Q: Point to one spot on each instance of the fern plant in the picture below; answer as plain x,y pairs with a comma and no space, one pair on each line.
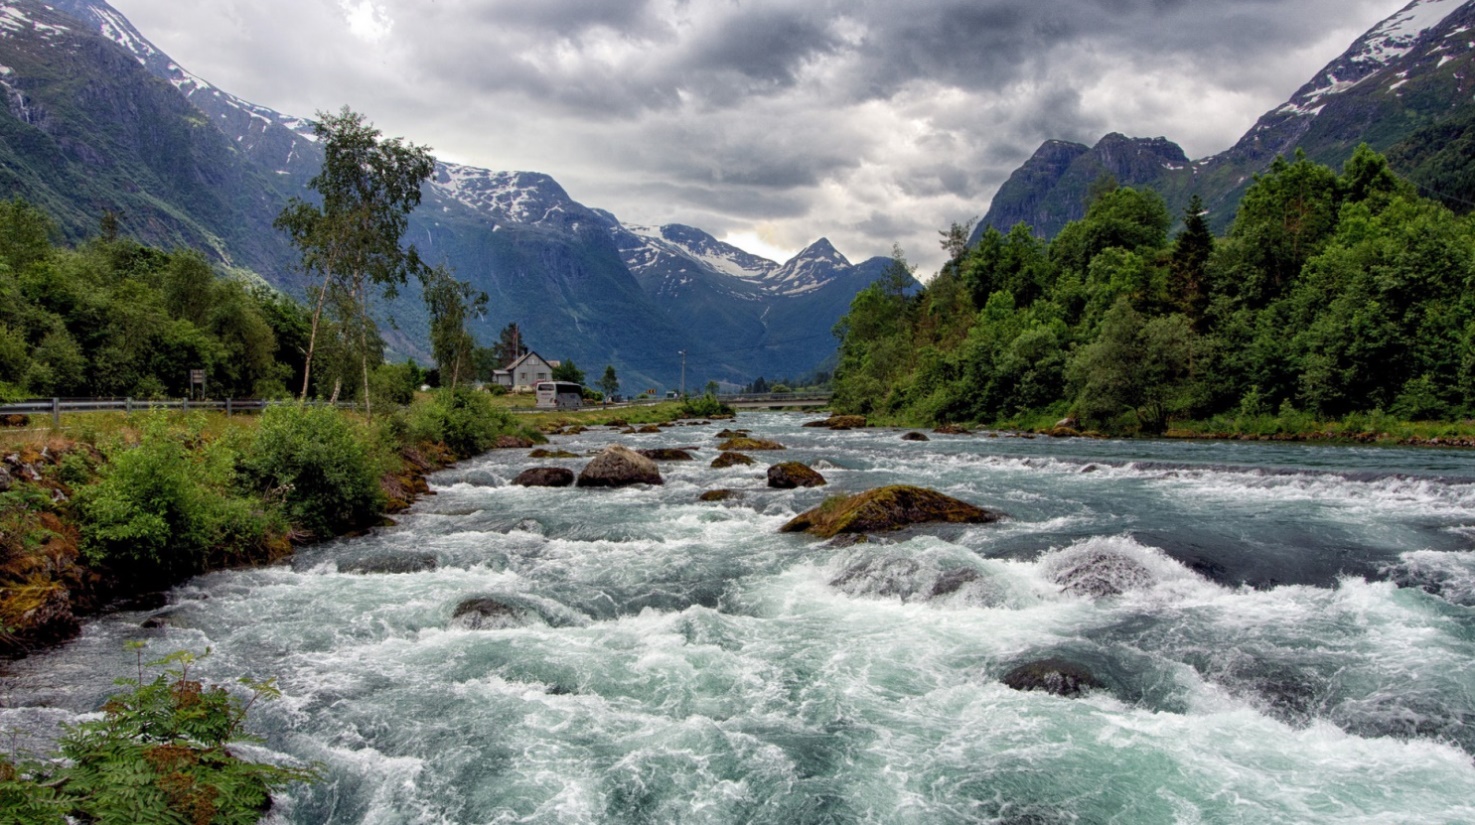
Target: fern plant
160,755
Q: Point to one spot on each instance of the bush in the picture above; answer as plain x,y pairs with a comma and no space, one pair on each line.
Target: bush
705,407
463,419
163,509
312,462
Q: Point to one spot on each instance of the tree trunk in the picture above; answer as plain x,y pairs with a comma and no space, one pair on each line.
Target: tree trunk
364,349
312,341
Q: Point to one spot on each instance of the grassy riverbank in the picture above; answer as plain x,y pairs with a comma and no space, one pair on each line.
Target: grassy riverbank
111,508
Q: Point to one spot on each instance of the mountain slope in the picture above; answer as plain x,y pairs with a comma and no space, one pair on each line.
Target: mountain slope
103,119
1412,71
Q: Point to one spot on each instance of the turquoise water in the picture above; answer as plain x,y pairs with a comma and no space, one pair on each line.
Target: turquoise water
1295,643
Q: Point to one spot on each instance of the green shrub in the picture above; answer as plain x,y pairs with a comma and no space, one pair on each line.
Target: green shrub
163,509
463,419
312,461
704,407
160,754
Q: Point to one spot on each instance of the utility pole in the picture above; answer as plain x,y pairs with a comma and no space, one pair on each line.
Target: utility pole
683,373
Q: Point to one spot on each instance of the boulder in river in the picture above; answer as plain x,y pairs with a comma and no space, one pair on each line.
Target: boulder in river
840,422
619,466
915,436
1099,574
545,477
649,429
792,474
726,460
952,429
1057,676
886,508
732,434
720,495
512,442
743,444
391,563
667,455
542,453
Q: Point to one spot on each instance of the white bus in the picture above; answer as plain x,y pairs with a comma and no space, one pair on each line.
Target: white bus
559,395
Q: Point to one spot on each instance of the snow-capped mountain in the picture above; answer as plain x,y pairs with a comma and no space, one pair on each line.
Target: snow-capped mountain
581,285
1415,68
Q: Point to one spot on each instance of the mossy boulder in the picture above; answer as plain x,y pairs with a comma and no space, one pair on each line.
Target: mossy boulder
733,434
619,466
745,444
726,460
542,453
667,455
886,508
545,477
791,475
649,429
512,442
1056,676
720,495
841,422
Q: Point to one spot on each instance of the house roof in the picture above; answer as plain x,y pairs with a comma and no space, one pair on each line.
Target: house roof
529,354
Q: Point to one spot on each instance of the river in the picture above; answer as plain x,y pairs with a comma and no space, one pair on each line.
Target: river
1295,643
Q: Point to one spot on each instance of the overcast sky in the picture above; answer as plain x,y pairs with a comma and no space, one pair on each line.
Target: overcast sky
769,123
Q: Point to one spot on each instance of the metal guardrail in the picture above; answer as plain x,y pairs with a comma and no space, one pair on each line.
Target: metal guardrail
54,407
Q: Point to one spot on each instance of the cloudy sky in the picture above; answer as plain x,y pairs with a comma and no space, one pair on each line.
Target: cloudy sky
769,123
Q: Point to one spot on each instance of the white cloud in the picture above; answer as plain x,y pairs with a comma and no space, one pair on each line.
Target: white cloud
367,21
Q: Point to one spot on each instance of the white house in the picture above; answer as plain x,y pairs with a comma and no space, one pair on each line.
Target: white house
521,375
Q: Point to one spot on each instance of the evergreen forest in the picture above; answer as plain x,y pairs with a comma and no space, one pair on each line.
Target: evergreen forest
1332,295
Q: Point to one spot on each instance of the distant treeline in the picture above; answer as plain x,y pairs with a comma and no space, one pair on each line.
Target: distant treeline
1331,294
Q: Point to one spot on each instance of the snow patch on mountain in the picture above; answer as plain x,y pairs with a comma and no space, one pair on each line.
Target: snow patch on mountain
13,21
1386,43
529,198
811,269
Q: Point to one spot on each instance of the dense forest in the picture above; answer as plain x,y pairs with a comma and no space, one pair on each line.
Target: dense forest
1331,295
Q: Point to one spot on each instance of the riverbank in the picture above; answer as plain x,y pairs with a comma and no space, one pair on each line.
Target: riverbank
111,510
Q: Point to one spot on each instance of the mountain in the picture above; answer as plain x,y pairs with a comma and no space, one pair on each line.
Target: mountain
747,315
101,119
1407,77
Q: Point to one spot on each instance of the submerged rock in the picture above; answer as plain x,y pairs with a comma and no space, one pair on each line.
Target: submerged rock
954,580
667,455
1056,676
391,564
1102,574
483,613
791,475
541,453
915,437
952,429
545,477
619,466
743,443
726,460
886,508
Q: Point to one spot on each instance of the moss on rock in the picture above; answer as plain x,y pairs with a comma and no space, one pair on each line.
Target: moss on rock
886,508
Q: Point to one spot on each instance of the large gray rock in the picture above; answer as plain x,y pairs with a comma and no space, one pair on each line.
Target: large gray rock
1102,574
619,466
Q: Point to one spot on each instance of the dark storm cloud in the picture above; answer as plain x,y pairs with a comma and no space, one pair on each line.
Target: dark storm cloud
857,119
